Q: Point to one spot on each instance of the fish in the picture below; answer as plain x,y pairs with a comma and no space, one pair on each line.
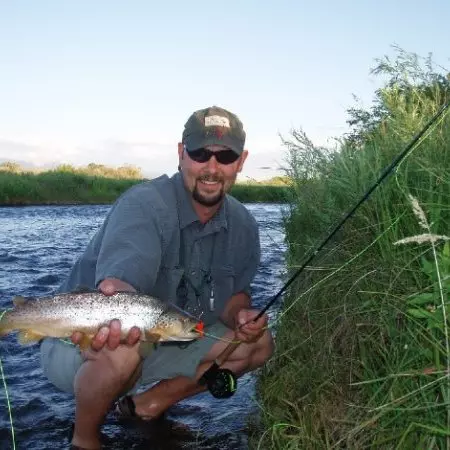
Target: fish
60,315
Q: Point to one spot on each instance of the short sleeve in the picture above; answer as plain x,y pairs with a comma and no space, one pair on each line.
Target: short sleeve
131,246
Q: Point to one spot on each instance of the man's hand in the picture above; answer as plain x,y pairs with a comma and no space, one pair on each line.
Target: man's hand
247,330
110,335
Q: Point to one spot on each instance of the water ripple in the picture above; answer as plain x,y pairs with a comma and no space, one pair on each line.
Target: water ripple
39,245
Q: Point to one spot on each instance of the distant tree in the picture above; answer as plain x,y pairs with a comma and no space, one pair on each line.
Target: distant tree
278,181
10,166
100,170
129,171
408,77
65,168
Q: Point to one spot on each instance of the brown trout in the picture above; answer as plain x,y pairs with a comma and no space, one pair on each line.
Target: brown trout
59,316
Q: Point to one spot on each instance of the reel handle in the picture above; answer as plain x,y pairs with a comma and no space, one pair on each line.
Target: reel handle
221,383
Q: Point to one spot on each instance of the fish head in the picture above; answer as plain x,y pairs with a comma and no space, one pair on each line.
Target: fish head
175,326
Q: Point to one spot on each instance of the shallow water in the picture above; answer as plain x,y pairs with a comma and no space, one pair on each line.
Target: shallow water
38,246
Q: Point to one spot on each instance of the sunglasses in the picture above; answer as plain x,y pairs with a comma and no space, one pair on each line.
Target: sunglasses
202,155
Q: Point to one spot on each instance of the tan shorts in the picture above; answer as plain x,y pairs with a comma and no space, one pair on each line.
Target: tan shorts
61,360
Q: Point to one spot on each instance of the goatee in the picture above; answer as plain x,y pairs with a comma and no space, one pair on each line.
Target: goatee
207,201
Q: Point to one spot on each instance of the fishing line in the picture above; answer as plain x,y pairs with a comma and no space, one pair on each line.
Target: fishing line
337,270
387,171
8,403
214,376
218,338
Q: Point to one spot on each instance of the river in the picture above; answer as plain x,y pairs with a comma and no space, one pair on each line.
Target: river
38,245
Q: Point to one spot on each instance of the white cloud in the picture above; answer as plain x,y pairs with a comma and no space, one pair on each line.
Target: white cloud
152,157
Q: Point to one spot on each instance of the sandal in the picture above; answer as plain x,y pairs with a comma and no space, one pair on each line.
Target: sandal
125,408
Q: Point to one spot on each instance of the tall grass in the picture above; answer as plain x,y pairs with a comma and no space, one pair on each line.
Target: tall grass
63,186
362,346
59,187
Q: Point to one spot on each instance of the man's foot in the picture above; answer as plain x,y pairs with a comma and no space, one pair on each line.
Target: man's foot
78,447
125,408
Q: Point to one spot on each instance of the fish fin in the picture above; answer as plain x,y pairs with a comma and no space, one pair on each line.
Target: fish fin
152,337
27,336
146,348
4,330
85,342
18,300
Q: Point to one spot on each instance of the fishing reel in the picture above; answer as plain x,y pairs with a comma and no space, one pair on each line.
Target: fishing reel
221,383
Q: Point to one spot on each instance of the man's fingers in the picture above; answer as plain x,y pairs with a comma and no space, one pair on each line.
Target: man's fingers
133,336
107,287
248,338
247,317
76,337
254,327
109,336
260,323
114,334
100,339
247,334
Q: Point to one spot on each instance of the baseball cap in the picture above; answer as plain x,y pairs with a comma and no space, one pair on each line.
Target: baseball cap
214,126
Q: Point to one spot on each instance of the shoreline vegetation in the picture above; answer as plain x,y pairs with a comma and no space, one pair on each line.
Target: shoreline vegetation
98,184
362,355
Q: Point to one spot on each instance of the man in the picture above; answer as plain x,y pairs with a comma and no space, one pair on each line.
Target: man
183,240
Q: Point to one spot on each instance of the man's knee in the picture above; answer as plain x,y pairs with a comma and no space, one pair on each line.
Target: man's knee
111,372
255,355
60,362
263,350
119,365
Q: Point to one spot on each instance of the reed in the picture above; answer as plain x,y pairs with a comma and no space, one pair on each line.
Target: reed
65,185
362,342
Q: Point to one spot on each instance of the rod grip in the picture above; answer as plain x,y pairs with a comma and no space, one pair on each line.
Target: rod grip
226,353
221,359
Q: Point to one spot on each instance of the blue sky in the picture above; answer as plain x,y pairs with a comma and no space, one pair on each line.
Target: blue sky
114,82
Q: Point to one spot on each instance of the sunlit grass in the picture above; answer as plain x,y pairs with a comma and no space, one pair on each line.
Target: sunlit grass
362,343
65,186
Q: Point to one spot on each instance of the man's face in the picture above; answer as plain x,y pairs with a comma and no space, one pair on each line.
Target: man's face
209,181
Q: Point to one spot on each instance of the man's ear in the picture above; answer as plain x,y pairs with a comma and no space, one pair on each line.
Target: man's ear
180,154
242,159
180,150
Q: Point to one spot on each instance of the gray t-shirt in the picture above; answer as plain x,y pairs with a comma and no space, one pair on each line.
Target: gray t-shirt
153,240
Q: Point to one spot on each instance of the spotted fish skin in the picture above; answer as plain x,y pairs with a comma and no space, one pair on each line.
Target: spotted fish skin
62,314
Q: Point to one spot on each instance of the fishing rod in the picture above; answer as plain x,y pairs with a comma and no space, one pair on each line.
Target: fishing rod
222,383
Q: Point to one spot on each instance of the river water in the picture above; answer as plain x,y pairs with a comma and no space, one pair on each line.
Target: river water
38,246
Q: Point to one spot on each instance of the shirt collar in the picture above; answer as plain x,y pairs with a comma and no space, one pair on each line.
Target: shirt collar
187,212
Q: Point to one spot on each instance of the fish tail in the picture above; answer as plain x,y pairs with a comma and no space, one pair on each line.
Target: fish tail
5,326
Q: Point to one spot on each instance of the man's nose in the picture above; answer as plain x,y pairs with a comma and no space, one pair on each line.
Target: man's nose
212,164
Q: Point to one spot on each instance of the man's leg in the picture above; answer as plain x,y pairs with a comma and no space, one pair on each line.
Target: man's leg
99,381
247,357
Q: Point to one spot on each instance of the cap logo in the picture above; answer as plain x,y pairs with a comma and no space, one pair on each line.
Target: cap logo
217,121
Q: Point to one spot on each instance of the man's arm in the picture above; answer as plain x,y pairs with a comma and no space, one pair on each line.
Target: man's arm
238,315
131,246
238,301
128,260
